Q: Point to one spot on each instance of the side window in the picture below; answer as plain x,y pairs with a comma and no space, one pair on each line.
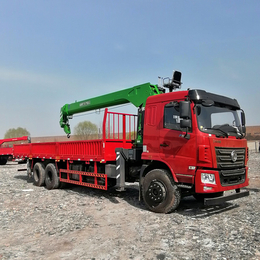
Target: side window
172,116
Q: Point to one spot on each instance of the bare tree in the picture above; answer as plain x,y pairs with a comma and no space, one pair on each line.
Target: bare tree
86,130
16,132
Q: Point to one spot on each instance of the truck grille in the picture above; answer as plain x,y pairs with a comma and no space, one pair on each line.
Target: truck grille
228,158
231,165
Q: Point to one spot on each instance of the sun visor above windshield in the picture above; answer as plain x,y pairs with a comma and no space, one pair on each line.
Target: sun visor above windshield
199,95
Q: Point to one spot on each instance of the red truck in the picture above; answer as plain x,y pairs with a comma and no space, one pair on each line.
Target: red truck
180,143
6,150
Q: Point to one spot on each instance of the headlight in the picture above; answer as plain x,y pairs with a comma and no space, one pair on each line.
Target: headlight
208,178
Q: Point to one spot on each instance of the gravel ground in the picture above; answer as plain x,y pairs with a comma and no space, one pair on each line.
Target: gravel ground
83,223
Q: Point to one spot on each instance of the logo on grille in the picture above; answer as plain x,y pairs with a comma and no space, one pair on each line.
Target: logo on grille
233,156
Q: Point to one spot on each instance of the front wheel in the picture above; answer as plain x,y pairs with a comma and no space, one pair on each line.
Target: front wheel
159,192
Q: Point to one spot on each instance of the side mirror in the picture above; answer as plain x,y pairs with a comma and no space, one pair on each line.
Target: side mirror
243,121
185,115
243,118
185,123
184,109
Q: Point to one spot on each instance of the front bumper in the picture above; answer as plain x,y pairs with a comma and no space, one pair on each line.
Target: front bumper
222,199
219,185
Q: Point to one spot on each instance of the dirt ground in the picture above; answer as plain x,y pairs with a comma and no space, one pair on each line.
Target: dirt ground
83,223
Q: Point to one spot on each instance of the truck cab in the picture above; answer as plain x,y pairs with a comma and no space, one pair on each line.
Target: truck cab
198,137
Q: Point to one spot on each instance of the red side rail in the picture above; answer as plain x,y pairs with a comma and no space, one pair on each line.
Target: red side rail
74,150
6,150
65,176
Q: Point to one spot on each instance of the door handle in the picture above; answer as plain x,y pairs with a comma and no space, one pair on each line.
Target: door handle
164,145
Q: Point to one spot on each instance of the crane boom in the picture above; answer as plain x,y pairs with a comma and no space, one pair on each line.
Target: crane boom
23,138
136,95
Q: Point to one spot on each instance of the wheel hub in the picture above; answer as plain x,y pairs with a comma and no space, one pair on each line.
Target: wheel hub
156,192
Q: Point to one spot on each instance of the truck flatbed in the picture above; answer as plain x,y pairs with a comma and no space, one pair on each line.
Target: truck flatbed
80,162
117,130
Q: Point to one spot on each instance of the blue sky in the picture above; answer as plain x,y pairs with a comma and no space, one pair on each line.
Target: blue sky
55,52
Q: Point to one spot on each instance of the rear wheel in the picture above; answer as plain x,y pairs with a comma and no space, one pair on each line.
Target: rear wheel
52,180
38,174
159,191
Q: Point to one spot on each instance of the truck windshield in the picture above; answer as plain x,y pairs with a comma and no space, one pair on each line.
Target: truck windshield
219,120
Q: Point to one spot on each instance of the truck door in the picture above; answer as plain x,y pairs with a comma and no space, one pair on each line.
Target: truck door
177,151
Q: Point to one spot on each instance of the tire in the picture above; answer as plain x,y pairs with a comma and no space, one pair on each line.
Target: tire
3,161
159,192
200,196
52,179
38,174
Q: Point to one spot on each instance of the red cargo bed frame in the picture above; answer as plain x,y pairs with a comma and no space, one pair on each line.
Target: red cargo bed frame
118,128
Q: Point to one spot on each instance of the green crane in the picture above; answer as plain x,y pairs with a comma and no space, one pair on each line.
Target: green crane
136,95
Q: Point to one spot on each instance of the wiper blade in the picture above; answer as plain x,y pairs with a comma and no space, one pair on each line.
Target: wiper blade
217,129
